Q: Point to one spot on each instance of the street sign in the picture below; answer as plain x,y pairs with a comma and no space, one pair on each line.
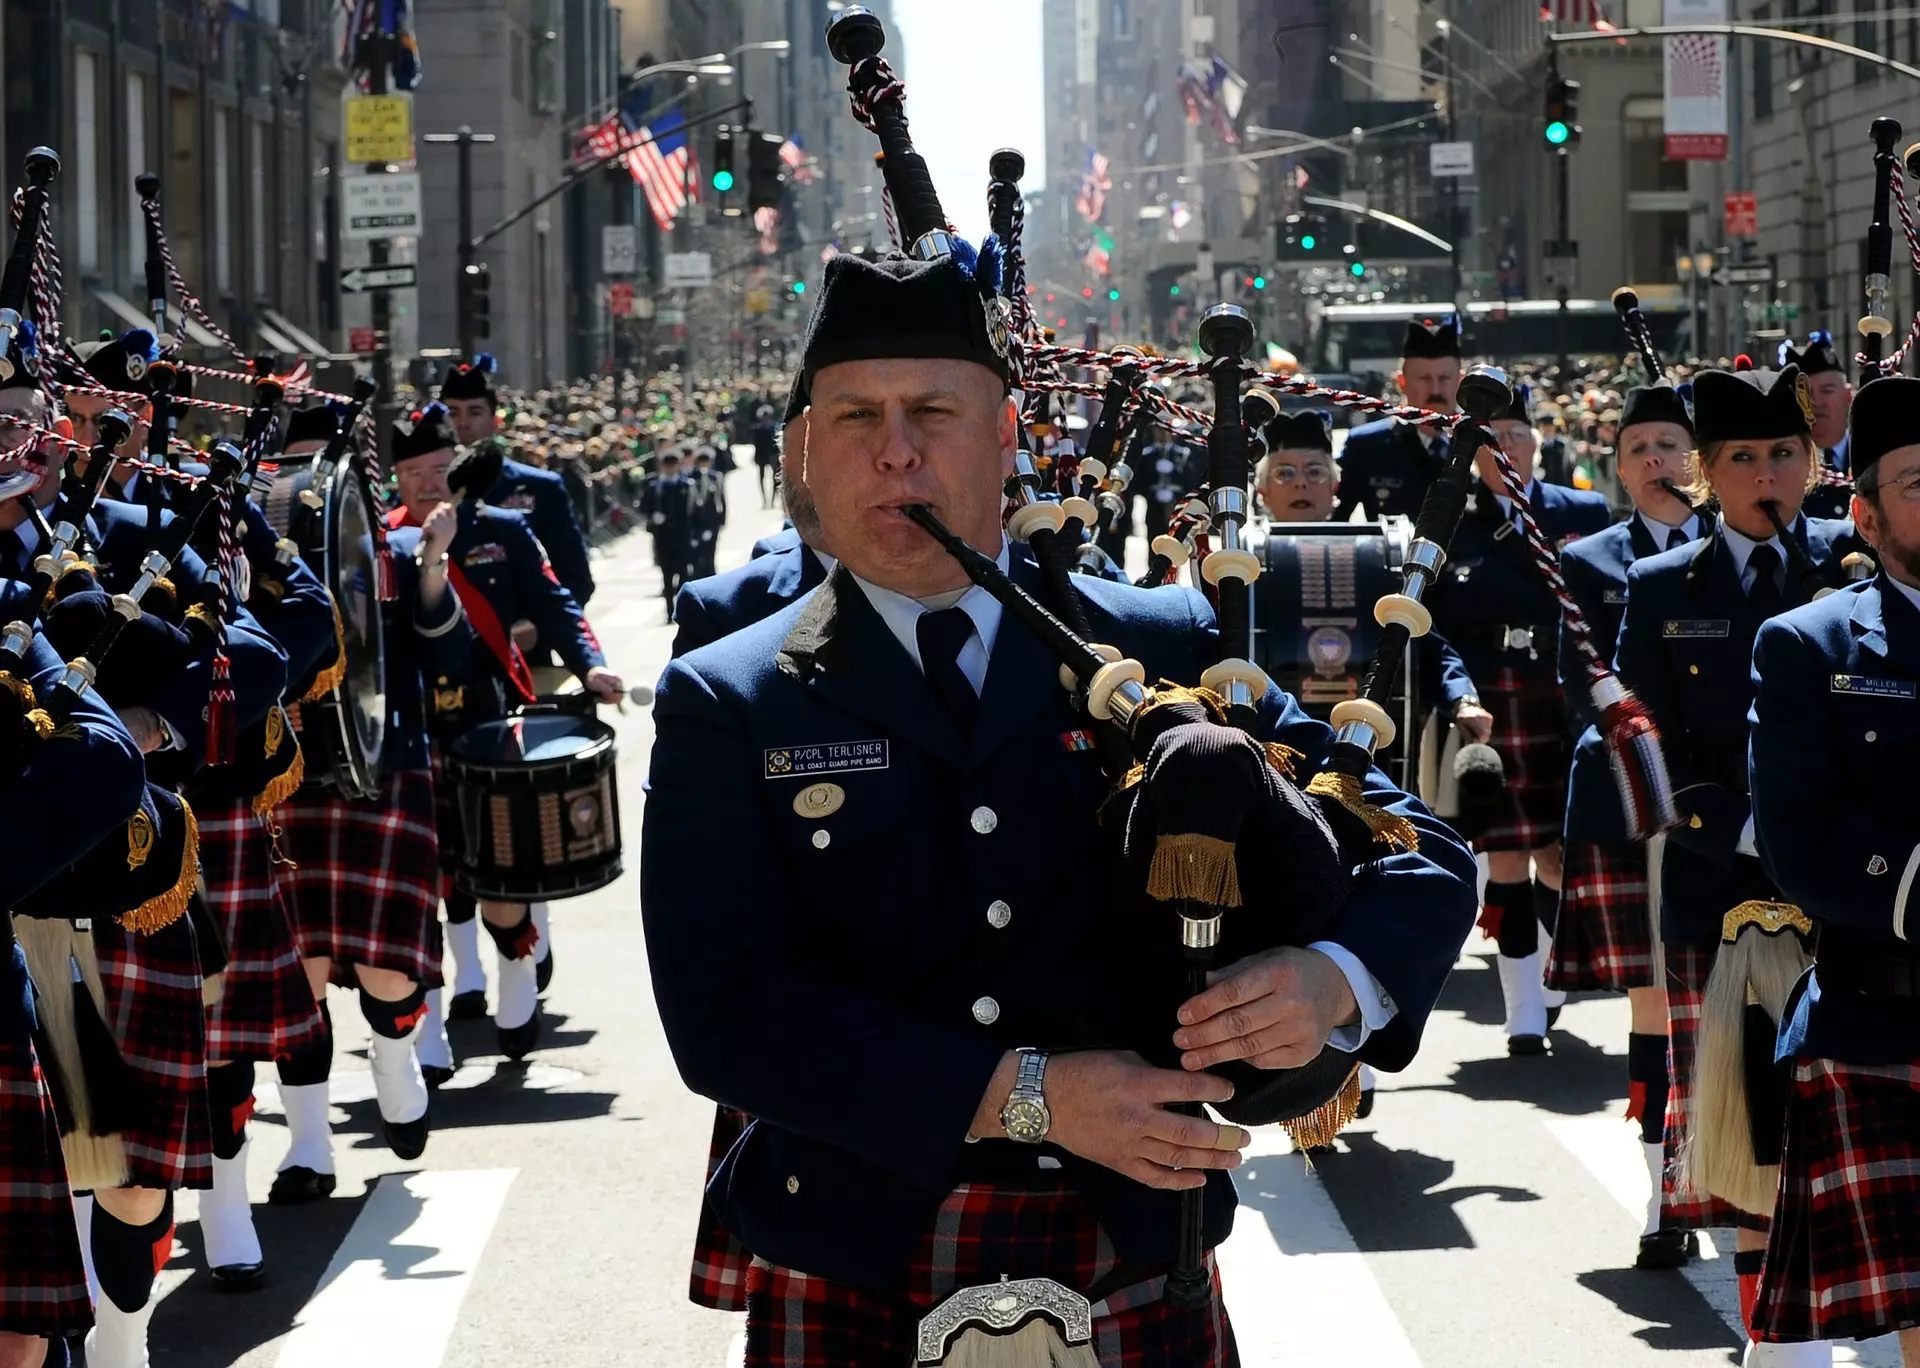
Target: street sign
1450,158
360,279
363,341
619,249
670,318
1743,214
620,299
375,207
380,128
1754,273
688,270
1562,263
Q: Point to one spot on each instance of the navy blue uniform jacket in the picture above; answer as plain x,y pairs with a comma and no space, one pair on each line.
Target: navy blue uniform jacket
707,609
1835,738
1686,648
497,553
825,984
542,496
1595,569
1385,468
420,647
786,537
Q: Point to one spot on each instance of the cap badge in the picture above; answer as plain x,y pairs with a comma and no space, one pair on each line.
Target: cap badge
1803,395
819,800
136,366
997,335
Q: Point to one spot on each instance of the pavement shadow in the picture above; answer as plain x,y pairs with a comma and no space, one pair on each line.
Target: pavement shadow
1576,1079
1676,1317
1474,997
505,1099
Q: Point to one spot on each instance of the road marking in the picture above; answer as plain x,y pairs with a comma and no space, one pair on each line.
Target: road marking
393,1290
1298,1289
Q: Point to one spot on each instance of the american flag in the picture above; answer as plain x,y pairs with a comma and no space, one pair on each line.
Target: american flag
664,165
1575,14
793,155
1094,184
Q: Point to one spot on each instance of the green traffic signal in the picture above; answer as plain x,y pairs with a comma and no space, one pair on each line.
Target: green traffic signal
723,181
1113,295
799,287
1259,282
1358,268
1173,289
1558,132
1309,242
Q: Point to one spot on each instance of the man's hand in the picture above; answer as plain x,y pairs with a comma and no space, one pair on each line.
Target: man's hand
437,530
525,635
1275,1010
1475,721
144,724
605,685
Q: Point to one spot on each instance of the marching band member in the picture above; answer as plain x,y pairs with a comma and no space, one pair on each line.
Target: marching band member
1387,465
709,513
1604,940
1295,479
1833,720
1686,649
667,508
1494,608
1832,394
919,1018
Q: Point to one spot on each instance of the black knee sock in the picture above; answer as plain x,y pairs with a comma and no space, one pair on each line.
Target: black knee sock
394,1020
518,941
1546,906
1513,919
1647,1084
460,906
230,1100
126,1258
313,1061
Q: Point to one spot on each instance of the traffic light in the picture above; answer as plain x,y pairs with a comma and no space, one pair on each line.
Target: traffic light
1357,269
475,282
723,160
1561,130
1259,282
1113,296
765,172
1302,237
799,287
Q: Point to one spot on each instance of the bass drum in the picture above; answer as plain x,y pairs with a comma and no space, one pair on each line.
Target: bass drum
343,724
1313,627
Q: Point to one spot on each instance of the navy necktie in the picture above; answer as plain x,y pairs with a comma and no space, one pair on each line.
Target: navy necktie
941,636
1677,537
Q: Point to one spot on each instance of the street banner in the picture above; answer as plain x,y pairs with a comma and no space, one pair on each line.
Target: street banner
1696,84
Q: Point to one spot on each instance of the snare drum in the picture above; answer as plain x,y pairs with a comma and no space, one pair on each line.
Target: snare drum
538,807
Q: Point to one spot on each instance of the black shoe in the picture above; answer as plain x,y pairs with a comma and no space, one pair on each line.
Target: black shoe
1365,1109
1553,1017
299,1184
1666,1249
247,1277
543,972
435,1074
517,1042
468,1006
1526,1045
407,1139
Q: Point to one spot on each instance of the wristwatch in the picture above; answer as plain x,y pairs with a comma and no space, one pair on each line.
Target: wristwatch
423,565
1025,1116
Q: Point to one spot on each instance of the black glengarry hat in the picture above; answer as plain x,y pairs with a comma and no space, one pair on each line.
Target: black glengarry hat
1307,430
121,363
1519,407
796,399
422,433
1818,357
1655,404
317,423
1885,417
470,379
1425,337
896,307
1751,405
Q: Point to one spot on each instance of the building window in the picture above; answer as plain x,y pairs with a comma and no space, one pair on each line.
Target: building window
86,157
1656,195
1866,36
136,163
257,208
222,201
517,59
1762,66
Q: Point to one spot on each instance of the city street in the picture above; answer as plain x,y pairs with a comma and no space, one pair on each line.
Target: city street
1484,1215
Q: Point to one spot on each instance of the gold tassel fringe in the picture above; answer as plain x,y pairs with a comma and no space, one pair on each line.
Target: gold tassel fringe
1317,1128
1187,865
281,788
1164,693
42,723
19,688
329,679
1345,790
1284,759
167,908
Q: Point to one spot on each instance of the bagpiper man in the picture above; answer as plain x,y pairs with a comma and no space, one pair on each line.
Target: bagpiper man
1832,394
879,1172
1386,466
1496,610
1686,650
1604,938
1834,730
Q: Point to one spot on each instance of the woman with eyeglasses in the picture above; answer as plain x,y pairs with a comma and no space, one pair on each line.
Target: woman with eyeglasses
1296,479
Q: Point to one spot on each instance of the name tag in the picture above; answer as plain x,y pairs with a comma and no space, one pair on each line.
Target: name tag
833,757
1613,596
1695,627
1874,687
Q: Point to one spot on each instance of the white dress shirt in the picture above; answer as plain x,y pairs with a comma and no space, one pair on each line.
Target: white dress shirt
1661,533
901,614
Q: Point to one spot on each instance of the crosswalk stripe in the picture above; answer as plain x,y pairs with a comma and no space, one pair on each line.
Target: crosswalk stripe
393,1289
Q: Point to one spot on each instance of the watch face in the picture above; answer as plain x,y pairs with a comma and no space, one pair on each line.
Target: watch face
1026,1119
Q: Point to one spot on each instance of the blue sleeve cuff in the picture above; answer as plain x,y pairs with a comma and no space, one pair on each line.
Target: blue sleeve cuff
1377,1006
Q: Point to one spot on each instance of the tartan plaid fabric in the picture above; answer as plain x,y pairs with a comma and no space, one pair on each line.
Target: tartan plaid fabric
795,1320
266,1008
1687,970
719,1277
1530,732
1603,941
157,1013
43,1287
446,819
1843,1257
364,886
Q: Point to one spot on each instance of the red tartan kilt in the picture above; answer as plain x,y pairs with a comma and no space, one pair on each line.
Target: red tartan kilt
1843,1257
795,1320
266,1008
719,1277
364,886
1530,732
1687,970
157,1011
1603,939
446,819
43,1286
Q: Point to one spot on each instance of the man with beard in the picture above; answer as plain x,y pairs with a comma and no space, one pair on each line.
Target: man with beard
1388,465
1832,397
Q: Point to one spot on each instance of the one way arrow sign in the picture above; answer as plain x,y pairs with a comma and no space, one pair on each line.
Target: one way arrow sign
363,278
